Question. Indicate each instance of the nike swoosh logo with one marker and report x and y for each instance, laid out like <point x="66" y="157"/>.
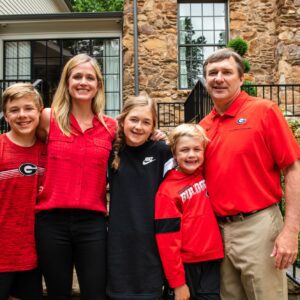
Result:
<point x="146" y="162"/>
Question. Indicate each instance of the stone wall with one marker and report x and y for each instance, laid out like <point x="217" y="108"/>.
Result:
<point x="255" y="21"/>
<point x="288" y="46"/>
<point x="271" y="28"/>
<point x="157" y="49"/>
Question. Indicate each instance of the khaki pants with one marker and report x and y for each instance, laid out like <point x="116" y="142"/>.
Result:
<point x="247" y="271"/>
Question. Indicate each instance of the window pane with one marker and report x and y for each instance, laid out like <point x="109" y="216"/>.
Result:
<point x="112" y="48"/>
<point x="11" y="50"/>
<point x="219" y="9"/>
<point x="69" y="48"/>
<point x="112" y="101"/>
<point x="97" y="47"/>
<point x="196" y="53"/>
<point x="196" y="9"/>
<point x="220" y="37"/>
<point x="111" y="83"/>
<point x="220" y="23"/>
<point x="183" y="69"/>
<point x="83" y="46"/>
<point x="11" y="68"/>
<point x="53" y="48"/>
<point x="185" y="23"/>
<point x="199" y="38"/>
<point x="39" y="48"/>
<point x="24" y="67"/>
<point x="112" y="65"/>
<point x="182" y="52"/>
<point x="209" y="37"/>
<point x="100" y="62"/>
<point x="208" y="23"/>
<point x="196" y="24"/>
<point x="183" y="81"/>
<point x="184" y="9"/>
<point x="207" y="51"/>
<point x="182" y="37"/>
<point x="208" y="9"/>
<point x="24" y="49"/>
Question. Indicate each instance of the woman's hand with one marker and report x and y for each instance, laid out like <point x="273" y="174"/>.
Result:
<point x="182" y="292"/>
<point x="158" y="135"/>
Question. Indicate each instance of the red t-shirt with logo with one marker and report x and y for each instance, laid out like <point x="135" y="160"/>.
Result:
<point x="21" y="170"/>
<point x="249" y="145"/>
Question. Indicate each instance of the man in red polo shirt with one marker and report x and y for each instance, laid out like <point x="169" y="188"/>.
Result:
<point x="251" y="144"/>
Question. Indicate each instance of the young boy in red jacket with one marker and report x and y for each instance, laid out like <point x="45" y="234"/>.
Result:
<point x="187" y="233"/>
<point x="21" y="169"/>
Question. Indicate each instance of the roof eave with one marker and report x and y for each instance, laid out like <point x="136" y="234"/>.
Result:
<point x="58" y="16"/>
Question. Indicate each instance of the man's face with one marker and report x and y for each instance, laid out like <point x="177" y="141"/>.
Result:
<point x="223" y="81"/>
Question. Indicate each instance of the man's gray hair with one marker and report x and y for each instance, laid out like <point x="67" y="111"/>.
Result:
<point x="223" y="54"/>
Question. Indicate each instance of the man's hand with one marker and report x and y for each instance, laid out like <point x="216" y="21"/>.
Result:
<point x="286" y="244"/>
<point x="182" y="292"/>
<point x="285" y="249"/>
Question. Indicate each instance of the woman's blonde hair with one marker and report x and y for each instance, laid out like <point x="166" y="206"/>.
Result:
<point x="132" y="102"/>
<point x="191" y="130"/>
<point x="62" y="104"/>
<point x="20" y="90"/>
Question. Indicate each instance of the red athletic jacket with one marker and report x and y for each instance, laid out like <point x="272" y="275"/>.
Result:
<point x="186" y="228"/>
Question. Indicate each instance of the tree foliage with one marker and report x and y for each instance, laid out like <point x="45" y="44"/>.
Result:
<point x="96" y="5"/>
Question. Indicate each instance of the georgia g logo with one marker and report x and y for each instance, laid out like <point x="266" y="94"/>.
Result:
<point x="28" y="169"/>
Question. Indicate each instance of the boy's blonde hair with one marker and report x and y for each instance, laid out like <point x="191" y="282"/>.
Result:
<point x="191" y="130"/>
<point x="62" y="104"/>
<point x="132" y="102"/>
<point x="19" y="90"/>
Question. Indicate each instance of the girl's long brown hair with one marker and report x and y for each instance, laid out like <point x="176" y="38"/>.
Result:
<point x="132" y="102"/>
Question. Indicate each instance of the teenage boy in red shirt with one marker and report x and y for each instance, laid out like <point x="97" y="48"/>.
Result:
<point x="20" y="172"/>
<point x="187" y="232"/>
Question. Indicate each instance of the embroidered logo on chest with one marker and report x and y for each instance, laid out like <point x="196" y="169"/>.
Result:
<point x="148" y="160"/>
<point x="241" y="121"/>
<point x="28" y="169"/>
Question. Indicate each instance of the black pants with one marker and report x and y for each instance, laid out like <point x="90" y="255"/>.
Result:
<point x="203" y="280"/>
<point x="67" y="238"/>
<point x="26" y="285"/>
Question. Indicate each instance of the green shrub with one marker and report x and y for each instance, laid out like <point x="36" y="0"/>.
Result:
<point x="246" y="65"/>
<point x="249" y="89"/>
<point x="238" y="45"/>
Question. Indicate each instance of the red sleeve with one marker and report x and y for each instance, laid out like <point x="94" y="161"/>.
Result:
<point x="282" y="143"/>
<point x="168" y="238"/>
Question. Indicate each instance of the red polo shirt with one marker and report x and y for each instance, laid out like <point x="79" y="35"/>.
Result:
<point x="76" y="166"/>
<point x="249" y="146"/>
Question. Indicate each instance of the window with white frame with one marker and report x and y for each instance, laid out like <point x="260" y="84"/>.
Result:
<point x="202" y="28"/>
<point x="44" y="59"/>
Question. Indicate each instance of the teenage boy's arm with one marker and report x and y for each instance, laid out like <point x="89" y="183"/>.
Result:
<point x="44" y="125"/>
<point x="286" y="244"/>
<point x="168" y="238"/>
